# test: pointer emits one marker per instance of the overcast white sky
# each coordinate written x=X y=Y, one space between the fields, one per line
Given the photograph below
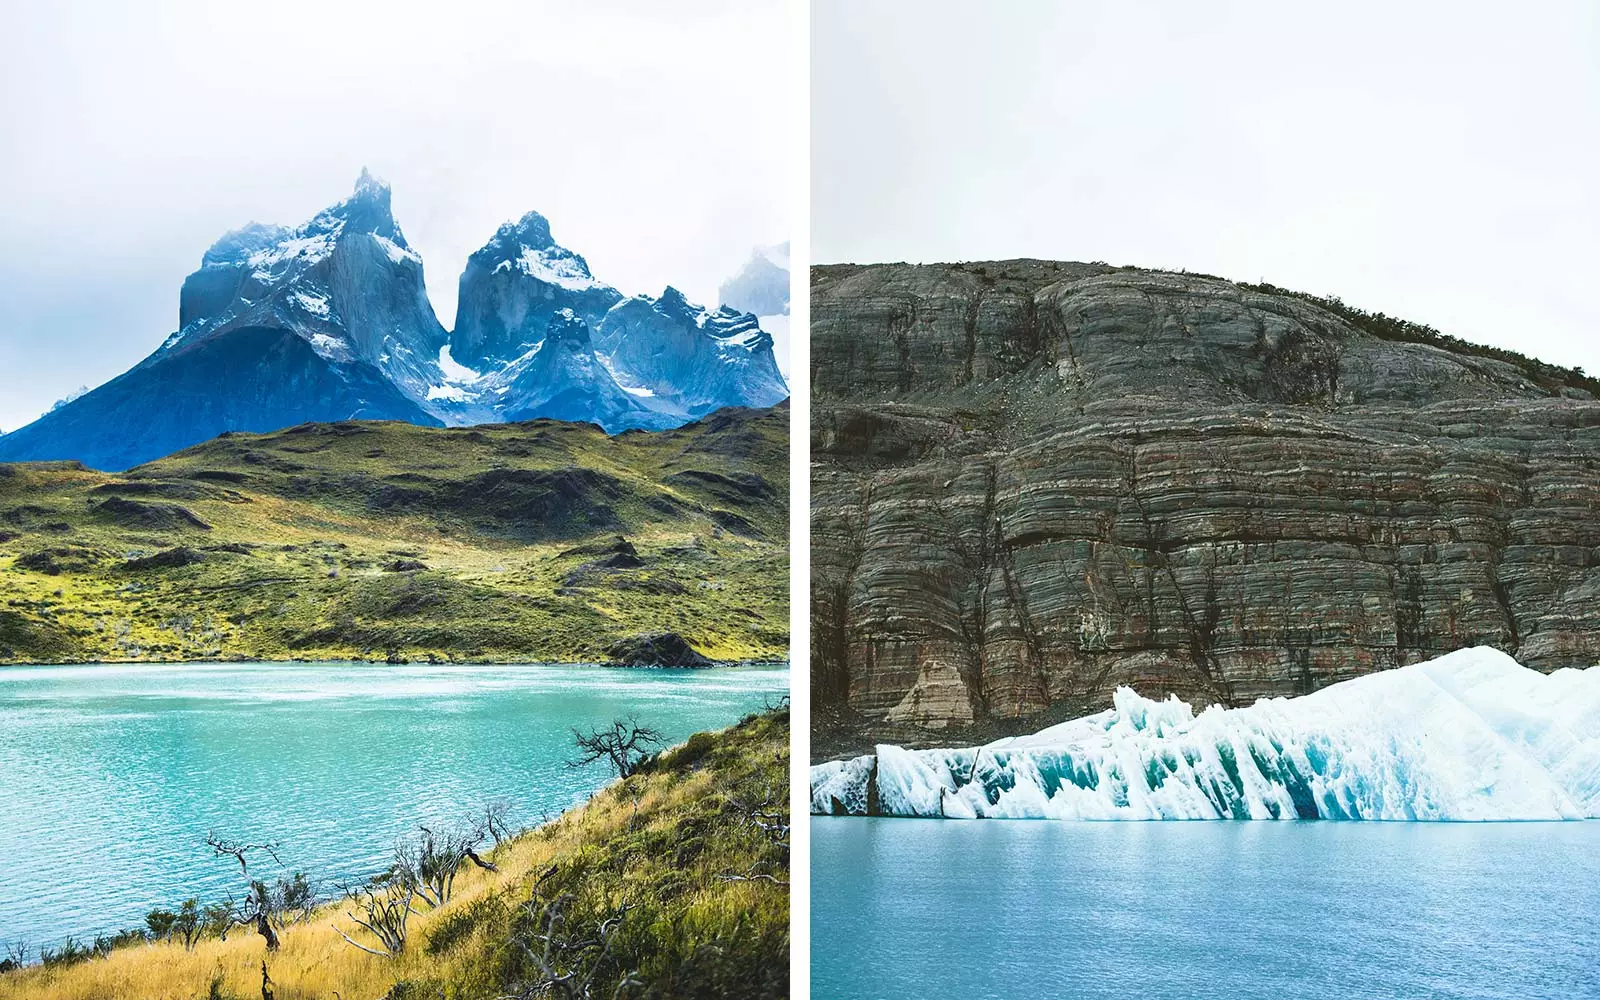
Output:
x=655 y=137
x=1436 y=161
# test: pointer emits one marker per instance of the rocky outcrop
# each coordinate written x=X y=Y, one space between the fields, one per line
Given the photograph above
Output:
x=656 y=649
x=1034 y=482
x=538 y=335
x=346 y=282
x=565 y=380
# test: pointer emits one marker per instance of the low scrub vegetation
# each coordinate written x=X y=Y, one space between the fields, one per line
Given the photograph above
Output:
x=380 y=541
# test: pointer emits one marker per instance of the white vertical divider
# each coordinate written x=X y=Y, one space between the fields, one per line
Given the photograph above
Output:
x=800 y=499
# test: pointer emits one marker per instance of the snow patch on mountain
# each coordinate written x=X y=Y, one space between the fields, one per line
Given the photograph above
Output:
x=554 y=266
x=455 y=371
x=270 y=263
x=394 y=251
x=622 y=380
x=454 y=393
x=330 y=347
x=313 y=303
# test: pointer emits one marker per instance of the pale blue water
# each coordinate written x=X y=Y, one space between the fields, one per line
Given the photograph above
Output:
x=111 y=776
x=922 y=909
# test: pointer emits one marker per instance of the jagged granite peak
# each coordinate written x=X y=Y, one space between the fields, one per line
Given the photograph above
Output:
x=513 y=285
x=657 y=361
x=530 y=231
x=562 y=378
x=1034 y=482
x=330 y=320
x=702 y=358
x=762 y=285
x=347 y=281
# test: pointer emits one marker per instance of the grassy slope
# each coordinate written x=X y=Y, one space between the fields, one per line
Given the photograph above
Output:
x=659 y=842
x=304 y=535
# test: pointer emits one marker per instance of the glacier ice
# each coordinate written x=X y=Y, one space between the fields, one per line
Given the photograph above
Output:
x=1472 y=735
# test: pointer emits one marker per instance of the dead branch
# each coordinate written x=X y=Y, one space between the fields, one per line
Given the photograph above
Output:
x=567 y=960
x=240 y=851
x=384 y=916
x=625 y=745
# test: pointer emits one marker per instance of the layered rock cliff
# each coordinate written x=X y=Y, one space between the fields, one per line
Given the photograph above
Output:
x=1034 y=482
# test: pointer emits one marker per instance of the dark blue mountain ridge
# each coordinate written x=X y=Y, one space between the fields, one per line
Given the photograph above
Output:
x=330 y=320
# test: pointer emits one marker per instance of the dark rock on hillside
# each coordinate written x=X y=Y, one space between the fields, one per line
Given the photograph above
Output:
x=171 y=490
x=656 y=649
x=58 y=560
x=617 y=560
x=40 y=562
x=167 y=559
x=533 y=504
x=618 y=546
x=745 y=487
x=153 y=516
x=23 y=637
x=26 y=514
x=1034 y=482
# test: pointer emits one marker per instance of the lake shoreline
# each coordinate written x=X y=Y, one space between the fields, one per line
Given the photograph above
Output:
x=120 y=770
x=384 y=662
x=565 y=866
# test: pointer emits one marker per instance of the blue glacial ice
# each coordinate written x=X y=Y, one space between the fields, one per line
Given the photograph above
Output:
x=1473 y=735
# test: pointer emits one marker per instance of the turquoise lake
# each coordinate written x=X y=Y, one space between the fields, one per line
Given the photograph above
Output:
x=114 y=774
x=924 y=909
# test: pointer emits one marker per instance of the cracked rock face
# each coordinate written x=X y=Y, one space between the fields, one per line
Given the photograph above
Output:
x=1035 y=482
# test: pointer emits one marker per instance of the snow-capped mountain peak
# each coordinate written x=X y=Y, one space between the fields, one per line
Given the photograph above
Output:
x=513 y=285
x=330 y=320
x=346 y=281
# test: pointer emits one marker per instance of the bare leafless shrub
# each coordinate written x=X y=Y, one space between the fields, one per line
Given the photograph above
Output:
x=382 y=911
x=566 y=957
x=624 y=745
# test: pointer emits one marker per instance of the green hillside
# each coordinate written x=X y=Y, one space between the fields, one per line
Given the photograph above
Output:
x=533 y=541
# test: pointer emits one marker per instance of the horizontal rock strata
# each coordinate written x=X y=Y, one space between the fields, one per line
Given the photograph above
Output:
x=1034 y=482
